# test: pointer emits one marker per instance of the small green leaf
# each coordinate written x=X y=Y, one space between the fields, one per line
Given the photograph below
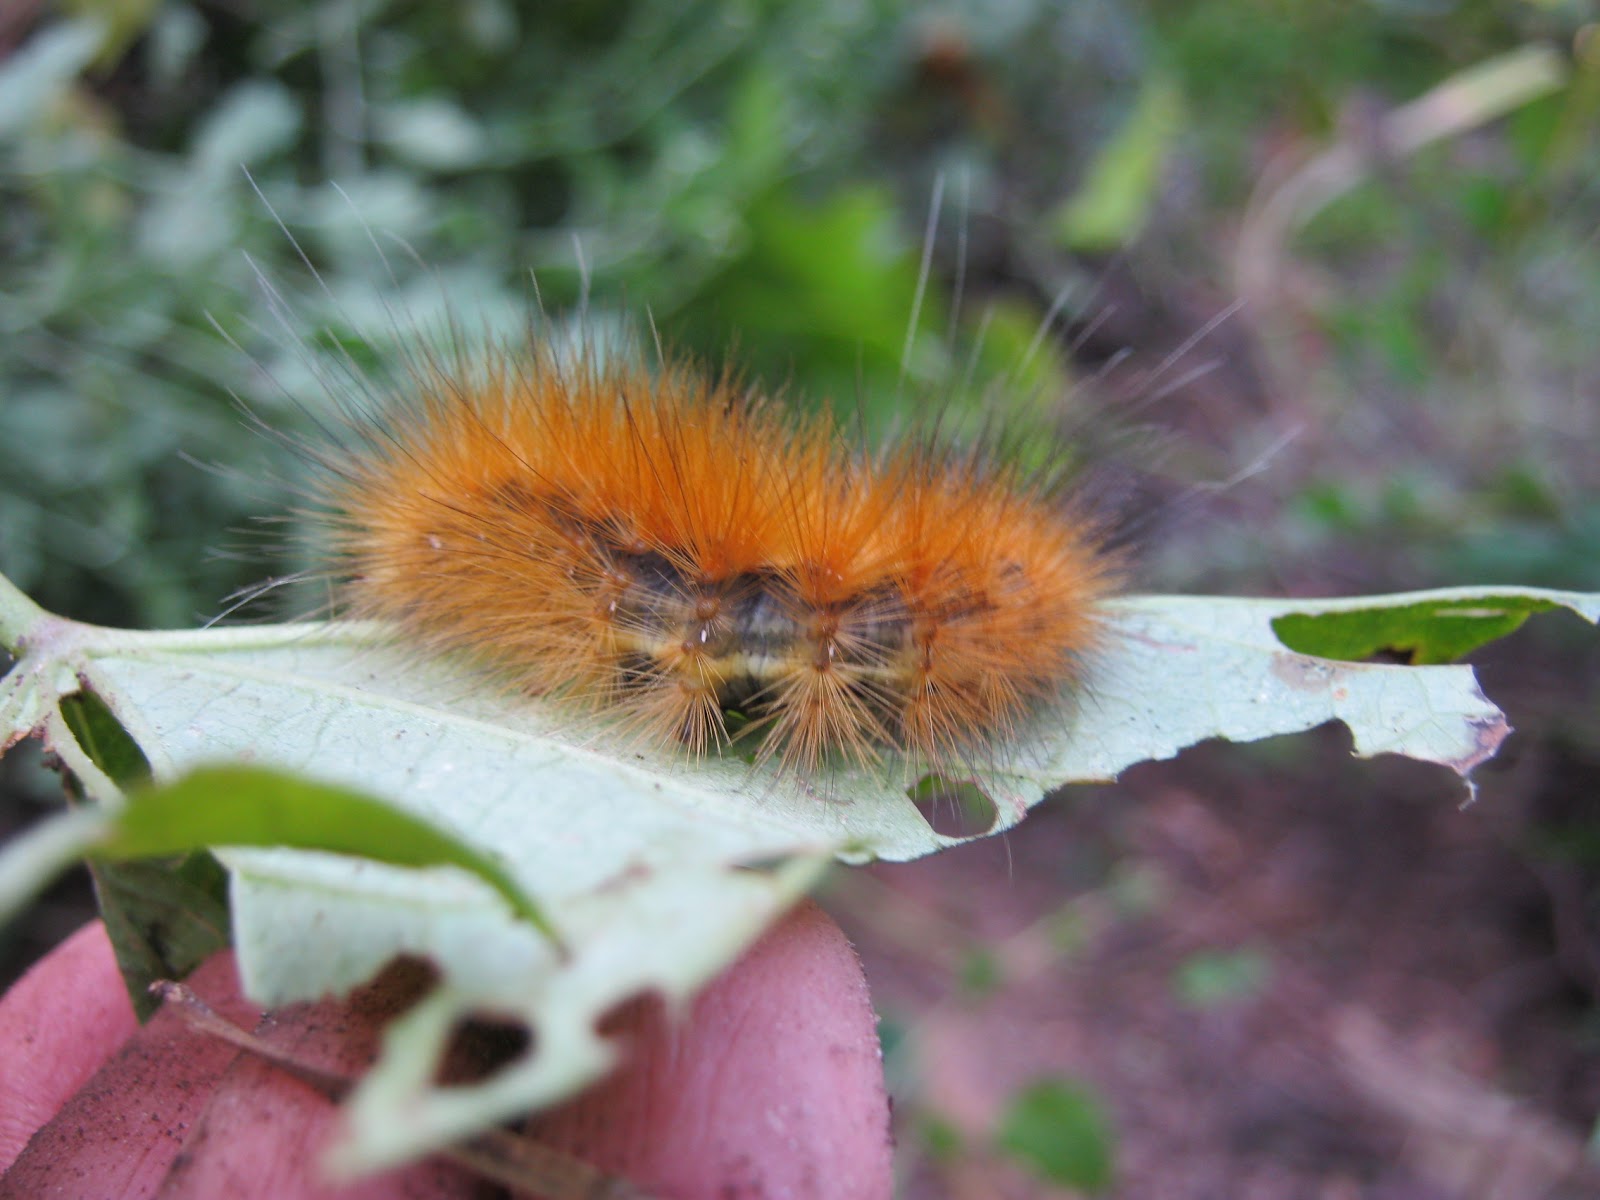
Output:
x=1109 y=208
x=1430 y=631
x=1216 y=977
x=249 y=806
x=981 y=973
x=1061 y=1132
x=940 y=1139
x=891 y=1036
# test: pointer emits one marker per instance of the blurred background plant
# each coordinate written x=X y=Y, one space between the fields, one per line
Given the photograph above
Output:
x=1406 y=399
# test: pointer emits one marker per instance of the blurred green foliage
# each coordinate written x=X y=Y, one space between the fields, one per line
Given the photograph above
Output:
x=704 y=163
x=1059 y=1129
x=1114 y=200
x=755 y=175
x=1216 y=977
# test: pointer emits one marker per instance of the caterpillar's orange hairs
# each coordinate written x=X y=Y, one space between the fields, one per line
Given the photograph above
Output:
x=672 y=550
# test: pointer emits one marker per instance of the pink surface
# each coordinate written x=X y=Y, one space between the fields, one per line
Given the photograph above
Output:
x=773 y=1087
x=58 y=1025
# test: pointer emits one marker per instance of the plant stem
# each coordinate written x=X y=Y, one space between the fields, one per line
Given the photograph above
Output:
x=18 y=615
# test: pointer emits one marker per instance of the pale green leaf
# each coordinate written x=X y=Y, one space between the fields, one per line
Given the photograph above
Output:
x=30 y=862
x=35 y=75
x=642 y=860
x=431 y=132
x=253 y=121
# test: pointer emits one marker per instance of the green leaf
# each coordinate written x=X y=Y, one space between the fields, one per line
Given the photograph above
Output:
x=981 y=973
x=164 y=918
x=941 y=1140
x=1109 y=209
x=1060 y=1131
x=829 y=284
x=248 y=806
x=1437 y=629
x=1218 y=976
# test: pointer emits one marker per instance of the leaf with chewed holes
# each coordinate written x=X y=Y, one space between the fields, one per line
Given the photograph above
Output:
x=657 y=871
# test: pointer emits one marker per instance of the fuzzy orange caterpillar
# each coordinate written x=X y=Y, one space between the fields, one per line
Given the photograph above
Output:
x=671 y=550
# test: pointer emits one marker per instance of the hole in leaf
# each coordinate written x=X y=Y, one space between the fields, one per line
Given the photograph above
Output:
x=102 y=737
x=481 y=1047
x=636 y=1016
x=952 y=807
x=639 y=1028
x=405 y=980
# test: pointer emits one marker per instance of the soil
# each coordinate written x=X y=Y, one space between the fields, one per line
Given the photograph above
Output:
x=1284 y=971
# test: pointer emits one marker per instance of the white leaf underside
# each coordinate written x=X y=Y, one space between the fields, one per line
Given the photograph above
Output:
x=642 y=860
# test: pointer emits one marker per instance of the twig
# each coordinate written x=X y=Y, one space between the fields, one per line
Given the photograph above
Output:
x=18 y=615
